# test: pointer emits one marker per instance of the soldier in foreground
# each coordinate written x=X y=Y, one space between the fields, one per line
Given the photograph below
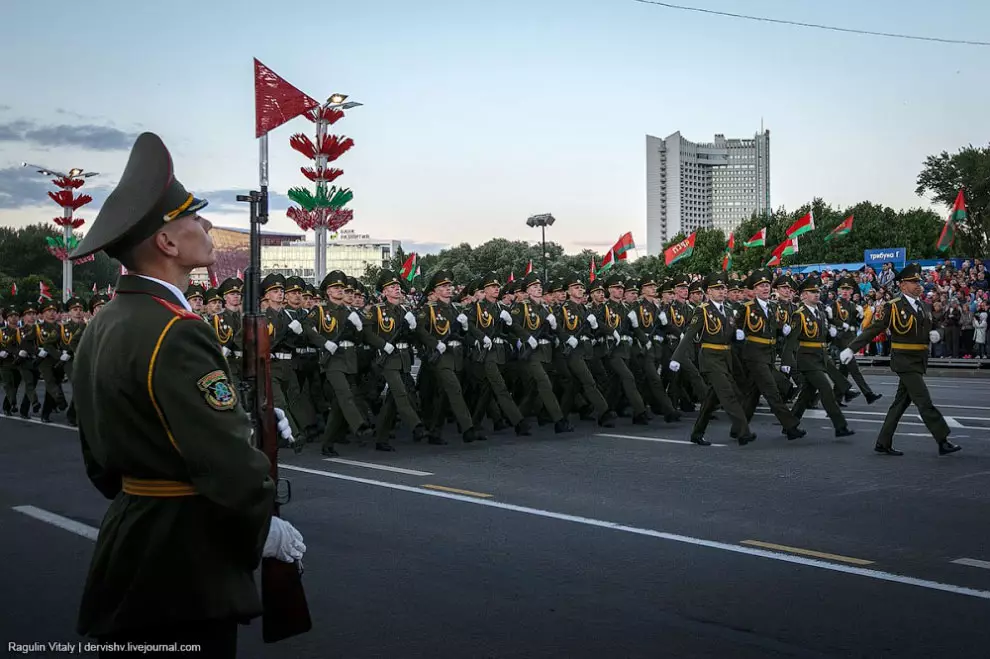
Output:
x=163 y=435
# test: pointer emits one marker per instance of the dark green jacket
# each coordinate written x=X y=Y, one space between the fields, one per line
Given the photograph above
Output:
x=715 y=332
x=761 y=330
x=328 y=322
x=909 y=334
x=805 y=347
x=385 y=323
x=154 y=402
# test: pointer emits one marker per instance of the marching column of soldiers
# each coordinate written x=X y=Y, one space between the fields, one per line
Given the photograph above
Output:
x=350 y=364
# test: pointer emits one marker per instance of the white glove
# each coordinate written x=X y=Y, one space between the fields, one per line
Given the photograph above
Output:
x=441 y=347
x=859 y=309
x=828 y=312
x=572 y=342
x=615 y=335
x=410 y=320
x=283 y=427
x=532 y=343
x=331 y=346
x=284 y=542
x=832 y=332
x=225 y=350
x=934 y=336
x=740 y=335
x=295 y=326
x=675 y=366
x=845 y=326
x=388 y=348
x=592 y=321
x=846 y=356
x=487 y=343
x=785 y=369
x=65 y=356
x=663 y=318
x=552 y=321
x=3 y=354
x=42 y=353
x=632 y=318
x=505 y=316
x=22 y=354
x=786 y=330
x=462 y=319
x=355 y=320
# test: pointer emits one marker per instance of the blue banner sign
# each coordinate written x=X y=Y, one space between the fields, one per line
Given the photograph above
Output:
x=875 y=258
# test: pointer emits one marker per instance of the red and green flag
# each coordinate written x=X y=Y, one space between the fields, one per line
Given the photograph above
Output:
x=727 y=259
x=802 y=226
x=759 y=239
x=681 y=250
x=591 y=271
x=529 y=267
x=46 y=293
x=623 y=245
x=958 y=214
x=786 y=248
x=409 y=268
x=843 y=229
x=607 y=263
x=13 y=289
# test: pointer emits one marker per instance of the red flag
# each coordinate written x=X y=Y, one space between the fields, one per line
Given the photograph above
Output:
x=409 y=268
x=591 y=273
x=623 y=245
x=681 y=250
x=275 y=100
x=13 y=289
x=240 y=274
x=214 y=279
x=512 y=276
x=46 y=293
x=529 y=267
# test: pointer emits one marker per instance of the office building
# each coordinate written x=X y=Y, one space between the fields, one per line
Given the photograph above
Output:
x=346 y=250
x=692 y=186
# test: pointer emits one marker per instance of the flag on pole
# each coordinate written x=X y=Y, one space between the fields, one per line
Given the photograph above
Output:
x=46 y=293
x=591 y=271
x=607 y=262
x=623 y=245
x=410 y=268
x=681 y=250
x=214 y=279
x=240 y=274
x=13 y=289
x=727 y=259
x=958 y=214
x=842 y=230
x=759 y=239
x=275 y=100
x=95 y=291
x=512 y=276
x=786 y=248
x=802 y=226
x=529 y=267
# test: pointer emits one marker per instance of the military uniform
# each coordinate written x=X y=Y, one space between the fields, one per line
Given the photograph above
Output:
x=910 y=323
x=714 y=328
x=48 y=334
x=616 y=321
x=27 y=355
x=576 y=333
x=647 y=349
x=10 y=376
x=846 y=316
x=164 y=438
x=69 y=337
x=284 y=331
x=228 y=325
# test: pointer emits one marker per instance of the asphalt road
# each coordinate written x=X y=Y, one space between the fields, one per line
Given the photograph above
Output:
x=628 y=542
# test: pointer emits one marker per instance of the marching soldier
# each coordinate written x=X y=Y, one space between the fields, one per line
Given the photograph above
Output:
x=10 y=376
x=214 y=303
x=805 y=349
x=305 y=361
x=27 y=353
x=757 y=332
x=714 y=328
x=784 y=287
x=71 y=334
x=228 y=326
x=283 y=328
x=846 y=316
x=647 y=349
x=48 y=354
x=909 y=320
x=687 y=380
x=444 y=356
x=616 y=322
x=388 y=328
x=194 y=295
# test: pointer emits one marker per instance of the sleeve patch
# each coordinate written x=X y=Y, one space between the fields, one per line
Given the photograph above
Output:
x=217 y=391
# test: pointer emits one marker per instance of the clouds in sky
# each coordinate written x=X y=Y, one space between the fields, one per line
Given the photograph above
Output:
x=85 y=136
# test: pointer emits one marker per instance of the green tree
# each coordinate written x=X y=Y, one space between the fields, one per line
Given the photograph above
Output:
x=943 y=175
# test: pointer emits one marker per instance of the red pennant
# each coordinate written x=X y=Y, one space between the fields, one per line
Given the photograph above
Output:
x=275 y=100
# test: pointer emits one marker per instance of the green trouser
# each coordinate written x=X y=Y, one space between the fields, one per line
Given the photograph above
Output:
x=839 y=381
x=912 y=389
x=762 y=381
x=448 y=392
x=581 y=378
x=816 y=382
x=652 y=384
x=722 y=390
x=398 y=401
x=623 y=382
x=492 y=389
x=535 y=371
x=10 y=379
x=53 y=381
x=852 y=368
x=30 y=379
x=686 y=381
x=285 y=394
x=344 y=411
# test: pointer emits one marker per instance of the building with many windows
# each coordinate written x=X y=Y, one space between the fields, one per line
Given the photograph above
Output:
x=346 y=251
x=692 y=185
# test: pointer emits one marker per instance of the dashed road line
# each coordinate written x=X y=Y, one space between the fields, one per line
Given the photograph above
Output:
x=65 y=523
x=371 y=465
x=973 y=562
x=454 y=490
x=651 y=439
x=807 y=552
x=50 y=424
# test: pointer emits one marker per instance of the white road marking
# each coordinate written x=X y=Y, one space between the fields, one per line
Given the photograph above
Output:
x=40 y=422
x=952 y=423
x=65 y=523
x=822 y=414
x=972 y=562
x=908 y=434
x=651 y=439
x=673 y=537
x=371 y=465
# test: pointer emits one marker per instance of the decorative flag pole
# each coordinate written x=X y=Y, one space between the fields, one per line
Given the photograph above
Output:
x=956 y=216
x=325 y=211
x=61 y=247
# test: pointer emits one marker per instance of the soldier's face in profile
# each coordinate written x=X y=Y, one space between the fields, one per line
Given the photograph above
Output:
x=196 y=304
x=491 y=292
x=294 y=298
x=912 y=288
x=188 y=241
x=335 y=294
x=785 y=293
x=535 y=290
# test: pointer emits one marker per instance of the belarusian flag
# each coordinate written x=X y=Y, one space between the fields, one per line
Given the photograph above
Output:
x=46 y=293
x=958 y=214
x=681 y=250
x=623 y=245
x=512 y=276
x=841 y=230
x=94 y=288
x=759 y=239
x=607 y=262
x=409 y=268
x=786 y=248
x=13 y=289
x=591 y=271
x=239 y=274
x=727 y=259
x=802 y=226
x=529 y=267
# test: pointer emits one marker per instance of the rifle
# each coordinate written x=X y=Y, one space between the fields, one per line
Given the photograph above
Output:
x=285 y=612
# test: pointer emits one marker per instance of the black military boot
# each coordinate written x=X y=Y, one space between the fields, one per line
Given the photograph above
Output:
x=563 y=426
x=419 y=432
x=25 y=410
x=523 y=429
x=641 y=419
x=70 y=415
x=872 y=398
x=46 y=410
x=384 y=446
x=6 y=406
x=607 y=419
x=797 y=432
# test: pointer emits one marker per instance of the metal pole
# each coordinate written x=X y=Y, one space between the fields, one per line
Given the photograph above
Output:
x=543 y=231
x=252 y=277
x=320 y=262
x=67 y=263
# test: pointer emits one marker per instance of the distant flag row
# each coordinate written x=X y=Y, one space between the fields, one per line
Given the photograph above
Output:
x=619 y=252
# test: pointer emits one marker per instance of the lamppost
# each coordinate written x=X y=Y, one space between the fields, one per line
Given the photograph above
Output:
x=323 y=212
x=543 y=221
x=70 y=203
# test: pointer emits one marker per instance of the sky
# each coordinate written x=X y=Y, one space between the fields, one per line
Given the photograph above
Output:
x=477 y=114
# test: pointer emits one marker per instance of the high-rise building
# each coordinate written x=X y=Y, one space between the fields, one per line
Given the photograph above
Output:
x=692 y=185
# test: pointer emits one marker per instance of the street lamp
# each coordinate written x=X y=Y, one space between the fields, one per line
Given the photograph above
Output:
x=543 y=221
x=69 y=202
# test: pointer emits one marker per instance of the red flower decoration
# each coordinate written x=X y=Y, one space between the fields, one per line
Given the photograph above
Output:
x=64 y=198
x=329 y=115
x=67 y=183
x=326 y=174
